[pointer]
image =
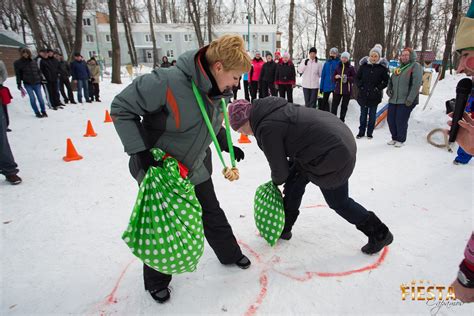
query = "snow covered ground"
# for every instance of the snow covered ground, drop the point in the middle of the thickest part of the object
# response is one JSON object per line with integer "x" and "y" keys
{"x": 61, "y": 251}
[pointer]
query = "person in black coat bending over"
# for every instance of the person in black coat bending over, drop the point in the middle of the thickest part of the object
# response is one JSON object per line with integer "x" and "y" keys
{"x": 321, "y": 149}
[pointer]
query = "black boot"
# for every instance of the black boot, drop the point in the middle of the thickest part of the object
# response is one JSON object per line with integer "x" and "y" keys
{"x": 161, "y": 296}
{"x": 243, "y": 262}
{"x": 378, "y": 233}
{"x": 286, "y": 235}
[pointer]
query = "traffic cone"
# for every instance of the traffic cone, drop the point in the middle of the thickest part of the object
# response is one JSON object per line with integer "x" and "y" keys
{"x": 244, "y": 139}
{"x": 90, "y": 130}
{"x": 71, "y": 153}
{"x": 108, "y": 119}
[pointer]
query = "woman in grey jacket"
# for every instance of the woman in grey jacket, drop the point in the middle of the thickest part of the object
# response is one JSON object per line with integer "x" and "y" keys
{"x": 403, "y": 90}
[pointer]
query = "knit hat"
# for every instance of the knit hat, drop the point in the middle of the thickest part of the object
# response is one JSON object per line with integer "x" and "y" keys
{"x": 464, "y": 36}
{"x": 377, "y": 49}
{"x": 277, "y": 54}
{"x": 239, "y": 113}
{"x": 346, "y": 55}
{"x": 268, "y": 54}
{"x": 334, "y": 50}
{"x": 313, "y": 50}
{"x": 286, "y": 54}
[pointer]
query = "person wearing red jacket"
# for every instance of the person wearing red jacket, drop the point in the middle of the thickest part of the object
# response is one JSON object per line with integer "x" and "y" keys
{"x": 254, "y": 75}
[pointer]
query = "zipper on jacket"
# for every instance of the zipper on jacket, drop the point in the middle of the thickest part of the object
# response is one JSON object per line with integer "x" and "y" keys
{"x": 342, "y": 75}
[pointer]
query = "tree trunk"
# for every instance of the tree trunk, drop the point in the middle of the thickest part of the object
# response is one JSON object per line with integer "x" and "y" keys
{"x": 60, "y": 26}
{"x": 163, "y": 11}
{"x": 388, "y": 42}
{"x": 426, "y": 29}
{"x": 152, "y": 33}
{"x": 449, "y": 38}
{"x": 409, "y": 23}
{"x": 290, "y": 27}
{"x": 336, "y": 26}
{"x": 78, "y": 33}
{"x": 128, "y": 33}
{"x": 33, "y": 21}
{"x": 209, "y": 21}
{"x": 196, "y": 19}
{"x": 115, "y": 41}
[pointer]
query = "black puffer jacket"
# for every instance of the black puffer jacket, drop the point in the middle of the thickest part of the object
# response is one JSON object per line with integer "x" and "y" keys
{"x": 268, "y": 71}
{"x": 27, "y": 70}
{"x": 64, "y": 69}
{"x": 371, "y": 79}
{"x": 285, "y": 73}
{"x": 321, "y": 145}
{"x": 50, "y": 68}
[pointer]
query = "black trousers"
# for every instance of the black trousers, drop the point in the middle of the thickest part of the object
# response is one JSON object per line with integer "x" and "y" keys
{"x": 218, "y": 234}
{"x": 336, "y": 99}
{"x": 5, "y": 111}
{"x": 267, "y": 89}
{"x": 286, "y": 89}
{"x": 64, "y": 82}
{"x": 253, "y": 90}
{"x": 337, "y": 199}
{"x": 325, "y": 102}
{"x": 53, "y": 93}
{"x": 246, "y": 90}
{"x": 94, "y": 90}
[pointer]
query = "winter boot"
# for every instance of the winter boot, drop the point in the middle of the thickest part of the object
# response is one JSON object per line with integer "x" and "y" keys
{"x": 378, "y": 233}
{"x": 13, "y": 179}
{"x": 161, "y": 296}
{"x": 286, "y": 235}
{"x": 243, "y": 262}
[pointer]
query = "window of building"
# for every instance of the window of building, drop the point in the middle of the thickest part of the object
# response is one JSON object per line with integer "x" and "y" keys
{"x": 188, "y": 37}
{"x": 246, "y": 37}
{"x": 168, "y": 38}
{"x": 86, "y": 22}
{"x": 108, "y": 38}
{"x": 110, "y": 54}
{"x": 89, "y": 38}
{"x": 92, "y": 53}
{"x": 264, "y": 38}
{"x": 170, "y": 53}
{"x": 147, "y": 38}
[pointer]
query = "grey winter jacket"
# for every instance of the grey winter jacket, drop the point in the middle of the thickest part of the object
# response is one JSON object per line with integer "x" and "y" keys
{"x": 172, "y": 120}
{"x": 320, "y": 144}
{"x": 405, "y": 88}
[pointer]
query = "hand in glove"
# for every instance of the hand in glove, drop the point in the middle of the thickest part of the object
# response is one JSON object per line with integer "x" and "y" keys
{"x": 408, "y": 103}
{"x": 147, "y": 160}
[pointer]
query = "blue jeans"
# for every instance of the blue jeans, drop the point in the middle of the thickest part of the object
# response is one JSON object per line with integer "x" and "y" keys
{"x": 397, "y": 118}
{"x": 463, "y": 157}
{"x": 82, "y": 84}
{"x": 372, "y": 112}
{"x": 310, "y": 97}
{"x": 33, "y": 89}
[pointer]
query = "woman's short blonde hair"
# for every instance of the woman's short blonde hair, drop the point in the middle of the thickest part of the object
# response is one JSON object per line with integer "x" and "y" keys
{"x": 230, "y": 51}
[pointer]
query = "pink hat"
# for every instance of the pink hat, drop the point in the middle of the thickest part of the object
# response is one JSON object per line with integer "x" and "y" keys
{"x": 286, "y": 55}
{"x": 239, "y": 113}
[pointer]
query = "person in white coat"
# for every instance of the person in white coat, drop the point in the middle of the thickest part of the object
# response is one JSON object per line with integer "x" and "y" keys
{"x": 311, "y": 70}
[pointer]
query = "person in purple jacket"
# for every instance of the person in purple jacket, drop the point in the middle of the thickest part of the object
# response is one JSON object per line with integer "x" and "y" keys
{"x": 344, "y": 77}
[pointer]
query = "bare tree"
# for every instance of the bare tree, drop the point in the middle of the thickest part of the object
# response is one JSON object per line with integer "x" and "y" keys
{"x": 33, "y": 21}
{"x": 195, "y": 14}
{"x": 152, "y": 33}
{"x": 80, "y": 5}
{"x": 426, "y": 29}
{"x": 128, "y": 33}
{"x": 335, "y": 26}
{"x": 409, "y": 19}
{"x": 115, "y": 41}
{"x": 388, "y": 41}
{"x": 450, "y": 38}
{"x": 290, "y": 27}
{"x": 163, "y": 11}
{"x": 209, "y": 20}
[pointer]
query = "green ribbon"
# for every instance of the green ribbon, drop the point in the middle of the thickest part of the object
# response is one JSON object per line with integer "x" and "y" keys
{"x": 202, "y": 107}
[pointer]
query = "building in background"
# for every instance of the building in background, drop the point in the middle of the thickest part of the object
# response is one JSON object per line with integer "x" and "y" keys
{"x": 171, "y": 39}
{"x": 9, "y": 50}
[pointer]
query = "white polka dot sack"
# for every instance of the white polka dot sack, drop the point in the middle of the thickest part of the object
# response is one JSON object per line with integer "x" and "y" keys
{"x": 165, "y": 229}
{"x": 269, "y": 212}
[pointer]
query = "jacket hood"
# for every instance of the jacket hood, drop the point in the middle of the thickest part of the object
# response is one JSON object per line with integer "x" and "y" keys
{"x": 366, "y": 60}
{"x": 261, "y": 108}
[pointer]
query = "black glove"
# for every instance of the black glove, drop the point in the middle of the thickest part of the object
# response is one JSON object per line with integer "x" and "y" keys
{"x": 147, "y": 160}
{"x": 306, "y": 62}
{"x": 238, "y": 153}
{"x": 92, "y": 79}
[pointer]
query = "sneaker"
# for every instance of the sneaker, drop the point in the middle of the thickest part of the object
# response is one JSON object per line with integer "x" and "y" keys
{"x": 38, "y": 115}
{"x": 89, "y": 101}
{"x": 456, "y": 162}
{"x": 243, "y": 262}
{"x": 392, "y": 142}
{"x": 66, "y": 101}
{"x": 359, "y": 136}
{"x": 161, "y": 296}
{"x": 286, "y": 235}
{"x": 44, "y": 114}
{"x": 55, "y": 108}
{"x": 13, "y": 179}
{"x": 73, "y": 102}
{"x": 398, "y": 144}
{"x": 370, "y": 136}
{"x": 97, "y": 100}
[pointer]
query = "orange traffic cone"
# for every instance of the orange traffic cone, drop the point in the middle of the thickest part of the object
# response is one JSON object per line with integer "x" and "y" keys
{"x": 108, "y": 119}
{"x": 244, "y": 139}
{"x": 71, "y": 153}
{"x": 90, "y": 130}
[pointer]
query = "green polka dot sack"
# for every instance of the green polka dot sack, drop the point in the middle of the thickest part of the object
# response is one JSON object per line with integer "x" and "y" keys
{"x": 165, "y": 229}
{"x": 269, "y": 212}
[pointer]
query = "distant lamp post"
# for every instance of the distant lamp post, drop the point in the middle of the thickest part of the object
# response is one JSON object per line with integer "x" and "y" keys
{"x": 248, "y": 25}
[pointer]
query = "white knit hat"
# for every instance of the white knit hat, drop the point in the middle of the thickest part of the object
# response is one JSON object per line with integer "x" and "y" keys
{"x": 377, "y": 49}
{"x": 346, "y": 55}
